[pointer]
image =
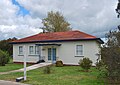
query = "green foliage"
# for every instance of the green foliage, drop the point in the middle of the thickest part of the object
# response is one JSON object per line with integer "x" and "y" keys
{"x": 99, "y": 64}
{"x": 118, "y": 9}
{"x": 55, "y": 22}
{"x": 59, "y": 63}
{"x": 47, "y": 70}
{"x": 85, "y": 63}
{"x": 110, "y": 55}
{"x": 4, "y": 58}
{"x": 102, "y": 69}
{"x": 5, "y": 46}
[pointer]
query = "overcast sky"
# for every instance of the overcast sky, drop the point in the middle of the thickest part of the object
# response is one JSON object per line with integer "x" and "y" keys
{"x": 21, "y": 18}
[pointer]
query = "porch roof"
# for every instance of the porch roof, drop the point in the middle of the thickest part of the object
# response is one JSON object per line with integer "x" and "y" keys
{"x": 48, "y": 44}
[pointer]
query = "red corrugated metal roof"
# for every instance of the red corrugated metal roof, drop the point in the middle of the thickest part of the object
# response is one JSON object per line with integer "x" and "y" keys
{"x": 69, "y": 35}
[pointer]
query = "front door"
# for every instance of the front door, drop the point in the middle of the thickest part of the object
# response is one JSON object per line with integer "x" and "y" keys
{"x": 52, "y": 54}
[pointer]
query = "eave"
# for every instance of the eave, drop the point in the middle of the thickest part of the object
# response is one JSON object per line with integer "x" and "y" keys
{"x": 68, "y": 40}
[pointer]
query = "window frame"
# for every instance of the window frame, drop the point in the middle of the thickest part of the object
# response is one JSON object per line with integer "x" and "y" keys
{"x": 31, "y": 52}
{"x": 49, "y": 54}
{"x": 36, "y": 50}
{"x": 20, "y": 50}
{"x": 82, "y": 51}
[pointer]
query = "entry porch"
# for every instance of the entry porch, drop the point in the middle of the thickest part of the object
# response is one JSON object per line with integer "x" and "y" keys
{"x": 48, "y": 52}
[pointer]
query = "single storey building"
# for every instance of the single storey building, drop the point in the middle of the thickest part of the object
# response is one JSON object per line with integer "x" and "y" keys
{"x": 70, "y": 47}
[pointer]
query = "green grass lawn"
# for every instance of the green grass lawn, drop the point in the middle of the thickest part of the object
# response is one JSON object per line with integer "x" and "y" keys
{"x": 11, "y": 66}
{"x": 67, "y": 75}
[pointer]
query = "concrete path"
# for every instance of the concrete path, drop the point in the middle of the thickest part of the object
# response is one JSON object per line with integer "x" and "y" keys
{"x": 35, "y": 66}
{"x": 28, "y": 68}
{"x": 2, "y": 82}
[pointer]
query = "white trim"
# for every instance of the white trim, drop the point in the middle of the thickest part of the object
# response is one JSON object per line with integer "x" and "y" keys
{"x": 37, "y": 50}
{"x": 34, "y": 50}
{"x": 82, "y": 52}
{"x": 31, "y": 51}
{"x": 19, "y": 50}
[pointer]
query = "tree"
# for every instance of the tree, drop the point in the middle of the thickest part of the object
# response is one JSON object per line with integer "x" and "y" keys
{"x": 5, "y": 46}
{"x": 55, "y": 22}
{"x": 110, "y": 55}
{"x": 118, "y": 8}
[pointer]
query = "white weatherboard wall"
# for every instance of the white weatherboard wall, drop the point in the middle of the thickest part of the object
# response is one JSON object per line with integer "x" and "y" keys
{"x": 68, "y": 55}
{"x": 65, "y": 52}
{"x": 20, "y": 58}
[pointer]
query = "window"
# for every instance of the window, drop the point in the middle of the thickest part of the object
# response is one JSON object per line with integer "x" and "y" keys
{"x": 49, "y": 53}
{"x": 31, "y": 51}
{"x": 20, "y": 50}
{"x": 36, "y": 50}
{"x": 79, "y": 50}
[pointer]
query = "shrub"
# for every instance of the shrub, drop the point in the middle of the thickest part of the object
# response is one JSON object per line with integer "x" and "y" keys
{"x": 99, "y": 64}
{"x": 47, "y": 70}
{"x": 59, "y": 63}
{"x": 85, "y": 63}
{"x": 4, "y": 58}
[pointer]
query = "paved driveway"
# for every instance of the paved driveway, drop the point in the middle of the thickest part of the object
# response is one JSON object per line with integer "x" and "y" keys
{"x": 2, "y": 82}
